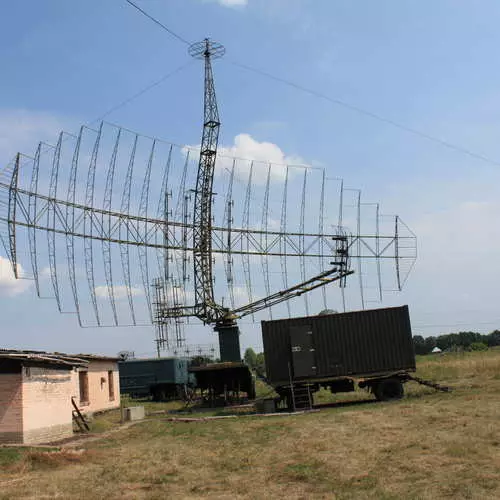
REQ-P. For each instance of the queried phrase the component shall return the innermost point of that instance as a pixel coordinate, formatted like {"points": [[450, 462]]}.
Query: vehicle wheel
{"points": [[388, 389]]}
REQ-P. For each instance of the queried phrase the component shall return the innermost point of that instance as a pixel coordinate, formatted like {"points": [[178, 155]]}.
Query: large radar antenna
{"points": [[121, 229]]}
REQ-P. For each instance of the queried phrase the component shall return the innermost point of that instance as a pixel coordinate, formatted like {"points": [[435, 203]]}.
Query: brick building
{"points": [[37, 388], [96, 386]]}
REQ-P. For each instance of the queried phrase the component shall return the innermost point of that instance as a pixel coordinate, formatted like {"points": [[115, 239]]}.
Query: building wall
{"points": [[98, 386], [47, 411], [11, 408]]}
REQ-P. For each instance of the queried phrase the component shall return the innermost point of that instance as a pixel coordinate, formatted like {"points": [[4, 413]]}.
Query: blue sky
{"points": [[429, 65]]}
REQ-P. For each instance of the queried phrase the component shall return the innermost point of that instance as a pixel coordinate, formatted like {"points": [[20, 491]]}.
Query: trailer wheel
{"points": [[388, 389]]}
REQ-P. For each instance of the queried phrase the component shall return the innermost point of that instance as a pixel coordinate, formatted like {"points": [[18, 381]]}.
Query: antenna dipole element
{"points": [[205, 307]]}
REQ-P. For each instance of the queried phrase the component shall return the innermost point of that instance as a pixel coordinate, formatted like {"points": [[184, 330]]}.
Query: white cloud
{"points": [[468, 230], [231, 3], [9, 285], [455, 277], [21, 130], [245, 149], [119, 291]]}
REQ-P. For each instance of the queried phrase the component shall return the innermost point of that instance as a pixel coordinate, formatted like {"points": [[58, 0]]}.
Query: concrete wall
{"points": [[11, 408], [47, 411], [99, 398]]}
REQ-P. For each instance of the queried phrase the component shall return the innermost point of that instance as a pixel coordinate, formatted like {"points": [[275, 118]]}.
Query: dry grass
{"points": [[427, 446]]}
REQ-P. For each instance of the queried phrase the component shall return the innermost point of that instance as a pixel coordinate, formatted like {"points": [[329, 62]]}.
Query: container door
{"points": [[303, 356]]}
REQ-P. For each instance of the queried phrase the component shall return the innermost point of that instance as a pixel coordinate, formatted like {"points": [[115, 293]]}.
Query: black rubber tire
{"points": [[388, 389]]}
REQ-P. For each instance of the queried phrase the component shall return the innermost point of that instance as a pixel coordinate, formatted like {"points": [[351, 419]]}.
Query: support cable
{"points": [[370, 114], [149, 16]]}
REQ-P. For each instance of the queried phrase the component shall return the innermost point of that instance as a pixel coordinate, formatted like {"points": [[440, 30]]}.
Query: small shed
{"points": [[35, 396], [37, 389]]}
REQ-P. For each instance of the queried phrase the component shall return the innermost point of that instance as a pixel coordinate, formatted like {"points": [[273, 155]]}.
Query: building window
{"points": [[111, 386], [83, 378]]}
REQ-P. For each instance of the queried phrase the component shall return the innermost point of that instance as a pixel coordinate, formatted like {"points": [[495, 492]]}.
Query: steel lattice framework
{"points": [[205, 307], [135, 234]]}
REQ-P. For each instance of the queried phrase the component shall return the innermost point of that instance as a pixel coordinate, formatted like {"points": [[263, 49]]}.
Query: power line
{"points": [[141, 92], [175, 35], [339, 102], [124, 102], [369, 114]]}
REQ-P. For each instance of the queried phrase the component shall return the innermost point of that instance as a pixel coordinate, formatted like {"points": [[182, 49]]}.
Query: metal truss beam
{"points": [[127, 229]]}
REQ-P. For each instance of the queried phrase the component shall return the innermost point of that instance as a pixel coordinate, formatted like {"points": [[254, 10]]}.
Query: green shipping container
{"points": [[159, 377]]}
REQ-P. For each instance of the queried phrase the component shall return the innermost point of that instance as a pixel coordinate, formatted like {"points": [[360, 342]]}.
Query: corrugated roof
{"points": [[42, 357], [96, 357], [54, 357]]}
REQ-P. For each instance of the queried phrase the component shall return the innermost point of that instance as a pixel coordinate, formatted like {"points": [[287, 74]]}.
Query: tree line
{"points": [[466, 341], [255, 361], [470, 341]]}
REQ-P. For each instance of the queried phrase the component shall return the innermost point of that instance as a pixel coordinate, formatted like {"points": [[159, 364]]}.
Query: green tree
{"points": [[493, 338], [467, 338], [260, 365], [430, 343], [419, 344], [478, 346], [200, 361], [250, 358]]}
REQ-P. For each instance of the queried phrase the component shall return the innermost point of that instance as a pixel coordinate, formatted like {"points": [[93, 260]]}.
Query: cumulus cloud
{"points": [[231, 3], [9, 285], [263, 155], [119, 291], [22, 130]]}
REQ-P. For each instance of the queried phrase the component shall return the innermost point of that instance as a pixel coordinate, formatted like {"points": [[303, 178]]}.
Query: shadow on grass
{"points": [[345, 404]]}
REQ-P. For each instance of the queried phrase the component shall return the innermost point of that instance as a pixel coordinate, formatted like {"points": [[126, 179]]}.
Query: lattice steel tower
{"points": [[205, 307]]}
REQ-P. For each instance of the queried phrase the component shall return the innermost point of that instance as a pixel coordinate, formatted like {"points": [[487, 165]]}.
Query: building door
{"points": [[303, 355], [83, 378]]}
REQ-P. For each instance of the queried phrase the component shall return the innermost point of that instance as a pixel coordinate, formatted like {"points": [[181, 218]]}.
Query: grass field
{"points": [[427, 446]]}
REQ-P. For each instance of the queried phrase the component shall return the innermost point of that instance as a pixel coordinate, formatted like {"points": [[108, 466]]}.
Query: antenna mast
{"points": [[205, 307]]}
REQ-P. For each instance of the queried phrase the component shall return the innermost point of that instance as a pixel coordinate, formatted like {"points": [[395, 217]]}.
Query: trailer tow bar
{"points": [[421, 381]]}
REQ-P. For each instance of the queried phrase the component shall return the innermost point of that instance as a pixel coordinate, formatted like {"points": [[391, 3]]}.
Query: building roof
{"points": [[42, 357], [96, 357], [58, 358]]}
